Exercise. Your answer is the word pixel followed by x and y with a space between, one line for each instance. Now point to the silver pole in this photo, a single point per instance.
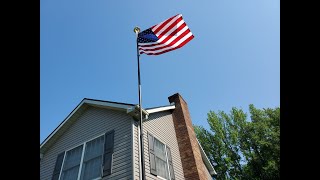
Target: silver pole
pixel 137 30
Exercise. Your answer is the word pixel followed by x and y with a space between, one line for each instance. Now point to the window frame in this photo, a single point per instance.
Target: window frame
pixel 82 156
pixel 167 159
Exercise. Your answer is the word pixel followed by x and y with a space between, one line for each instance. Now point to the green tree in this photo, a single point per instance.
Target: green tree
pixel 242 148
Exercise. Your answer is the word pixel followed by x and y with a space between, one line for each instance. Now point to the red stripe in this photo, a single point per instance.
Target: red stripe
pixel 150 45
pixel 182 44
pixel 163 24
pixel 171 27
pixel 186 41
pixel 174 33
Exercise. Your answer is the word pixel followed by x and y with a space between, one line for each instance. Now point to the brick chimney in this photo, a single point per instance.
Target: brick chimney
pixel 193 166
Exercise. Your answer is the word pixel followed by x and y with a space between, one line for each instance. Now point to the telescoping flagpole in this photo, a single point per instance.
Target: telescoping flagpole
pixel 137 30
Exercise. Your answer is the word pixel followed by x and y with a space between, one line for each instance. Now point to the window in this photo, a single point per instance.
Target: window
pixel 160 159
pixel 71 164
pixel 91 167
pixel 88 161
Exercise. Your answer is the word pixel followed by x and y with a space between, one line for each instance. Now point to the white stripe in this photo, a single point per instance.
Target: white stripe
pixel 173 37
pixel 166 26
pixel 153 47
pixel 156 27
pixel 173 29
pixel 151 43
pixel 171 47
pixel 182 39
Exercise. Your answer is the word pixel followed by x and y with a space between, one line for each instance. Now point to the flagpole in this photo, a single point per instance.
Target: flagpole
pixel 137 30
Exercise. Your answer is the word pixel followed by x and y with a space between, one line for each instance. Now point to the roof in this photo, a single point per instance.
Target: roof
pixel 160 108
pixel 131 109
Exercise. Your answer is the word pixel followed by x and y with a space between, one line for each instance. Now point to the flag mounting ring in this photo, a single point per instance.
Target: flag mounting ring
pixel 136 29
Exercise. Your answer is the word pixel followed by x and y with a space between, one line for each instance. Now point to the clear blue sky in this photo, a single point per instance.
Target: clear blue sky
pixel 88 50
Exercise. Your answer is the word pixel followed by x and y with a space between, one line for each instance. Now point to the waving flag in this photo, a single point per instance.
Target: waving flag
pixel 166 36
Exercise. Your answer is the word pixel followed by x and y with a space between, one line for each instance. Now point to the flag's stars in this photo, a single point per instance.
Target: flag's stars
pixel 147 36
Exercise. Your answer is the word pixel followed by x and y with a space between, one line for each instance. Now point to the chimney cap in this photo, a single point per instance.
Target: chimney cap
pixel 176 96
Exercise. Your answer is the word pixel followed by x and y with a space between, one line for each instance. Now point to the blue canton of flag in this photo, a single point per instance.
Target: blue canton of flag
pixel 147 36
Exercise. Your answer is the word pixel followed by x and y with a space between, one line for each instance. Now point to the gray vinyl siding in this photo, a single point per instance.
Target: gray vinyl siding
pixel 92 123
pixel 161 126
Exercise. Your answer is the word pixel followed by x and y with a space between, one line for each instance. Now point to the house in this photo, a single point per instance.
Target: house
pixel 100 140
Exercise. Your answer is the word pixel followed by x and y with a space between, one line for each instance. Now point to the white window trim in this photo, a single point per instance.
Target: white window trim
pixel 167 160
pixel 64 156
pixel 81 161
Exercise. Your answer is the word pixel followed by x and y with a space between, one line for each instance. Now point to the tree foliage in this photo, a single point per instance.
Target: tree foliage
pixel 242 148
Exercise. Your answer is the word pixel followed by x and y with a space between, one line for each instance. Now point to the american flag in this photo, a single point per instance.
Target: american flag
pixel 166 36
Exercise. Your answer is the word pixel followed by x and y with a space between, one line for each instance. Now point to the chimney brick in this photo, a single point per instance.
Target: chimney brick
pixel 192 164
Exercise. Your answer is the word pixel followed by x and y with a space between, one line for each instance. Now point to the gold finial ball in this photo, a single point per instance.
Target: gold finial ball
pixel 136 29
